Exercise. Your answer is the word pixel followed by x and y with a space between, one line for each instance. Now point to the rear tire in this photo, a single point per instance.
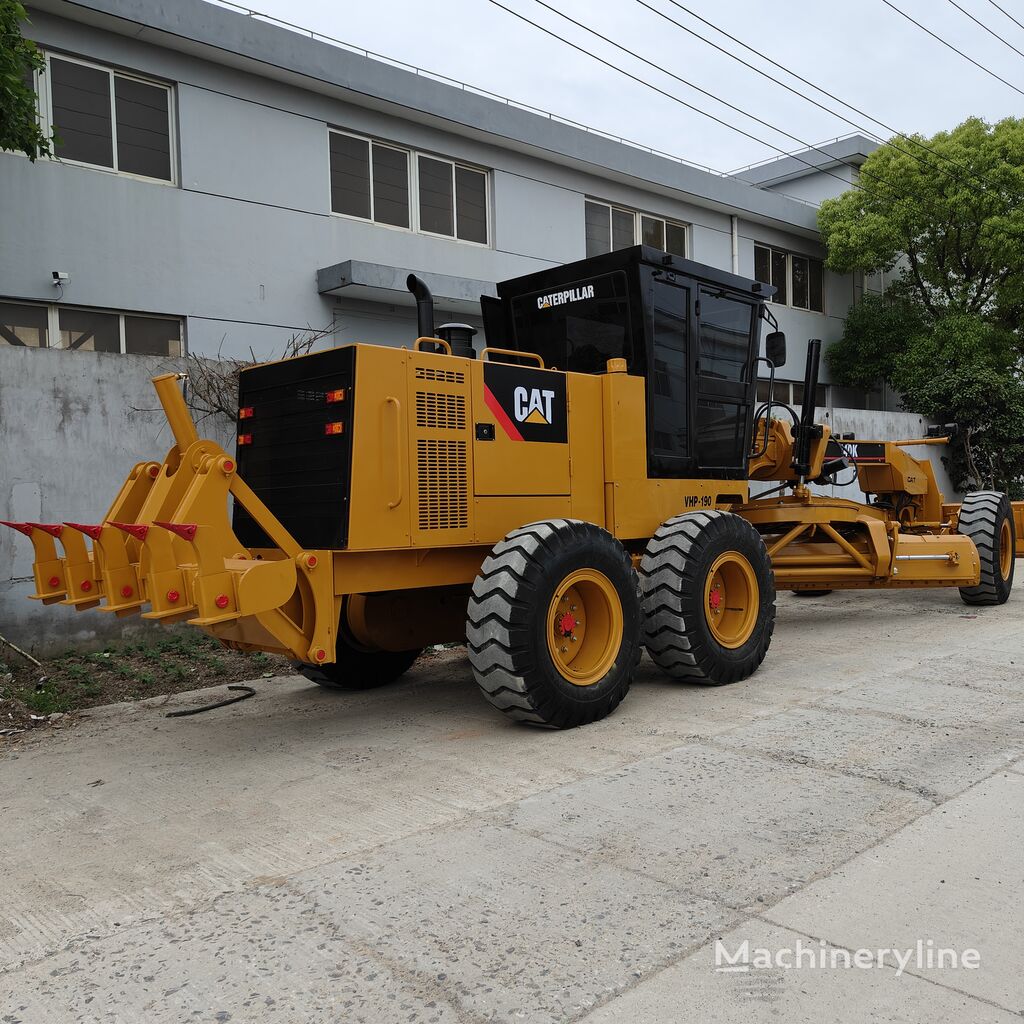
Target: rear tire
pixel 708 598
pixel 987 518
pixel 356 669
pixel 554 624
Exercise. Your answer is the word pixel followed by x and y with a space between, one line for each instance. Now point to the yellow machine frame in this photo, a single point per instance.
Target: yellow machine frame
pixel 428 503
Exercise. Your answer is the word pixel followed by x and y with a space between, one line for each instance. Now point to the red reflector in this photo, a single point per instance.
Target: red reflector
pixel 245 413
pixel 336 396
pixel 333 428
pixel 244 439
pixel 221 601
pixel 54 581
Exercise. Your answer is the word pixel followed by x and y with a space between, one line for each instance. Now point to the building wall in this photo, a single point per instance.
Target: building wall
pixel 235 247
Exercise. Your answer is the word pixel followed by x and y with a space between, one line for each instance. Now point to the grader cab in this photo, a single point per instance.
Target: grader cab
pixel 579 492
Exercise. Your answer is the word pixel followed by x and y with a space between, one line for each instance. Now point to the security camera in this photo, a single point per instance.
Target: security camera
pixel 60 276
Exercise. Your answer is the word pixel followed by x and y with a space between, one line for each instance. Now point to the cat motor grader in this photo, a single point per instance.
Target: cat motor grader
pixel 579 492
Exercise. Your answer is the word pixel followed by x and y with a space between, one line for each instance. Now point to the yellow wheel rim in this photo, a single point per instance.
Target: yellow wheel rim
pixel 731 599
pixel 1005 549
pixel 584 627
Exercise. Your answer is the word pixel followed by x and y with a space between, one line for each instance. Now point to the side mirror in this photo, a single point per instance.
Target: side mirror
pixel 775 348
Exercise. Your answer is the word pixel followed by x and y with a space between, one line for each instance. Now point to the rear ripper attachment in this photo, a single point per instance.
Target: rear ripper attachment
pixel 166 543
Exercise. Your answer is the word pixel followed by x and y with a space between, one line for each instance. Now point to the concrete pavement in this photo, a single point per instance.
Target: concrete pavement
pixel 407 855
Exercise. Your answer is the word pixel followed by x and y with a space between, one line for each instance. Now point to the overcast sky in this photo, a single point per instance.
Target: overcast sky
pixel 863 52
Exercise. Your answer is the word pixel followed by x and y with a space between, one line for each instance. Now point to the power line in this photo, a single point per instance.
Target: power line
pixel 990 31
pixel 1003 10
pixel 978 176
pixel 949 45
pixel 673 97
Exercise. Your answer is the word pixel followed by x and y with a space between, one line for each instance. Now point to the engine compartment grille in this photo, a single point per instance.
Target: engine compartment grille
pixel 442 469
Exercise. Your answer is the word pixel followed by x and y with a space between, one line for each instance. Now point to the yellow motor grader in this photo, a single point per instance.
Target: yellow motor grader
pixel 577 493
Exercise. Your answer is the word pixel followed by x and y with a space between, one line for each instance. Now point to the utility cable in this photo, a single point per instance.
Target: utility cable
pixel 672 96
pixel 1003 10
pixel 949 45
pixel 977 176
pixel 992 32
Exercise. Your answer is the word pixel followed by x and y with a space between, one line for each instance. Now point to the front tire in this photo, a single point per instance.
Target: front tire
pixel 708 598
pixel 987 518
pixel 554 624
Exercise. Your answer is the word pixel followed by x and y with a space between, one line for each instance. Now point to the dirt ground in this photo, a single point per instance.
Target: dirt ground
pixel 171 661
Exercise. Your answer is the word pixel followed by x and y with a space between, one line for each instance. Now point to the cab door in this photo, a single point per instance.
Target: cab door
pixel 724 381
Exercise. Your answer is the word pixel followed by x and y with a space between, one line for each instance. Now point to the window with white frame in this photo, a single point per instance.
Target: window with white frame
pixel 33 325
pixel 106 118
pixel 799 280
pixel 830 396
pixel 611 227
pixel 386 184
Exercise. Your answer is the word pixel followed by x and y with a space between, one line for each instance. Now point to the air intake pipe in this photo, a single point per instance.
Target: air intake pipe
pixel 424 306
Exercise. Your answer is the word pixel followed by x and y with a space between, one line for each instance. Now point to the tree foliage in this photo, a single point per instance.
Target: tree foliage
pixel 19 126
pixel 945 218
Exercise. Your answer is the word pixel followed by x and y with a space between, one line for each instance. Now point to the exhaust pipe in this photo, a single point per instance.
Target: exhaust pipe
pixel 424 306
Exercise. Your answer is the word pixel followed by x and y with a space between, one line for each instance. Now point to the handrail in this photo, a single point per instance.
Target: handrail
pixel 432 341
pixel 511 352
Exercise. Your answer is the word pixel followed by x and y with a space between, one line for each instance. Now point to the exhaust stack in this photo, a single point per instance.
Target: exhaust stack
pixel 424 306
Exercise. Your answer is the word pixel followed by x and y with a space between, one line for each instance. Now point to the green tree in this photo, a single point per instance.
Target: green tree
pixel 19 57
pixel 944 217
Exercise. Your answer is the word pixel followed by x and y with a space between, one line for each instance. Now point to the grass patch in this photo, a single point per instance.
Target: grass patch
pixel 167 661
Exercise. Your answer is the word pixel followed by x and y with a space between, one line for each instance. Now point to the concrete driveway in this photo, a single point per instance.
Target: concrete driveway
pixel 406 855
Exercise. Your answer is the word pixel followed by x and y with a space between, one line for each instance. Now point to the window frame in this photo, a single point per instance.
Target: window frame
pixel 789 255
pixel 638 219
pixel 44 108
pixel 53 323
pixel 413 174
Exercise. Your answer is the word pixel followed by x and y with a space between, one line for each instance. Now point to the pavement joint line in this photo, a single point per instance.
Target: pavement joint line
pixel 749 914
pixel 849 773
pixel 772 710
pixel 772 707
pixel 906 970
pixel 422 983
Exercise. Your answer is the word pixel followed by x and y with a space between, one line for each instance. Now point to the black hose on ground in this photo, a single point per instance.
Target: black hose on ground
pixel 249 692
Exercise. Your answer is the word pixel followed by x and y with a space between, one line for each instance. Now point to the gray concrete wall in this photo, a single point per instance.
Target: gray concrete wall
pixel 73 425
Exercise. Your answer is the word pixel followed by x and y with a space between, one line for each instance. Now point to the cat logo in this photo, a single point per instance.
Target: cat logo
pixel 533 406
pixel 527 404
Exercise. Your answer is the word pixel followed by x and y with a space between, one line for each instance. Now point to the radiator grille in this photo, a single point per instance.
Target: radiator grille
pixel 442 472
pixel 439 411
pixel 448 376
